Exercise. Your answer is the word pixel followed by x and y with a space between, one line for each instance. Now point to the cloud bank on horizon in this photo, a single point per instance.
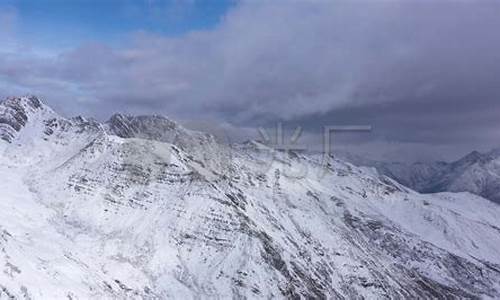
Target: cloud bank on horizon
pixel 425 75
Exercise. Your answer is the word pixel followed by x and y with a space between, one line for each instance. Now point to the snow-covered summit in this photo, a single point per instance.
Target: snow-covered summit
pixel 16 112
pixel 148 127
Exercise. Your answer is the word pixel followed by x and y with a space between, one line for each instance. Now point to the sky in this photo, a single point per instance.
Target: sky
pixel 424 74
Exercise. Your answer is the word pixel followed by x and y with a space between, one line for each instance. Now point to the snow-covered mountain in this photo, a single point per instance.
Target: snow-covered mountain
pixel 477 173
pixel 142 208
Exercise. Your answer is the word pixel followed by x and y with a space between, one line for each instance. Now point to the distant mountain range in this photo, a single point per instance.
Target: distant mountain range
pixel 139 207
pixel 477 173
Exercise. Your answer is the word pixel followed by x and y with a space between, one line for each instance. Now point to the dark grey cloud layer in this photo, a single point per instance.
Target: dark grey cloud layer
pixel 423 73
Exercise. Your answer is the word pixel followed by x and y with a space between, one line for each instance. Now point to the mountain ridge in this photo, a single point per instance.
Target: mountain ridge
pixel 478 173
pixel 125 210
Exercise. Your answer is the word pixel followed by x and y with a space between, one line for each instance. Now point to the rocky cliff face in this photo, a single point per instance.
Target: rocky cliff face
pixel 14 114
pixel 141 208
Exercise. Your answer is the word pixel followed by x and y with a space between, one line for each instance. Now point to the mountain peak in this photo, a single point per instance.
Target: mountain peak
pixel 28 101
pixel 476 173
pixel 145 126
pixel 471 158
pixel 474 154
pixel 15 113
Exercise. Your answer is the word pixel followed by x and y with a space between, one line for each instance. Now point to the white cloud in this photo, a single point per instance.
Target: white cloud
pixel 285 59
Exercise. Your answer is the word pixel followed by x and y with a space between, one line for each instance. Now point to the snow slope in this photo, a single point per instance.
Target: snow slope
pixel 142 208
